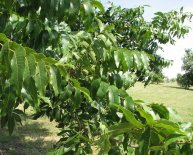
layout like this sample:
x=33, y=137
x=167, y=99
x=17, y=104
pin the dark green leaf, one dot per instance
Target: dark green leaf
x=130, y=116
x=160, y=110
x=173, y=138
x=94, y=87
x=11, y=124
x=30, y=88
x=77, y=98
x=168, y=125
x=102, y=89
x=149, y=119
x=145, y=141
x=120, y=129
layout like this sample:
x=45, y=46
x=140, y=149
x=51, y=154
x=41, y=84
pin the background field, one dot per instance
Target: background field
x=170, y=94
x=36, y=137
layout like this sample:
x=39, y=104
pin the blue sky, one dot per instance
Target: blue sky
x=175, y=52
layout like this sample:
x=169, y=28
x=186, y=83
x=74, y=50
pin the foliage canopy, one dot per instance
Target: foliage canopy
x=74, y=61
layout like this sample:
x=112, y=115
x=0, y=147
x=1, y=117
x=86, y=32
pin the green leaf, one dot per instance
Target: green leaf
x=75, y=82
x=128, y=102
x=137, y=60
x=98, y=5
x=100, y=24
x=92, y=55
x=3, y=38
x=17, y=116
x=55, y=79
x=17, y=66
x=149, y=119
x=111, y=37
x=60, y=150
x=11, y=124
x=4, y=120
x=104, y=144
x=118, y=56
x=118, y=81
x=173, y=138
x=50, y=61
x=41, y=77
x=129, y=59
x=109, y=27
x=98, y=48
x=103, y=89
x=5, y=61
x=30, y=88
x=94, y=87
x=46, y=100
x=77, y=98
x=114, y=94
x=145, y=60
x=145, y=142
x=64, y=95
x=85, y=91
x=156, y=148
x=168, y=125
x=62, y=70
x=120, y=128
x=88, y=14
x=130, y=116
x=30, y=68
x=161, y=110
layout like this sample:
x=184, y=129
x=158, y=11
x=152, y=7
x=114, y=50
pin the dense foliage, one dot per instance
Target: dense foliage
x=186, y=80
x=71, y=60
x=134, y=33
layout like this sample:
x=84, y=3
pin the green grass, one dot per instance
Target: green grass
x=170, y=94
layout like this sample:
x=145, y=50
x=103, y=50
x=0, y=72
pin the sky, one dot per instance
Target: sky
x=171, y=52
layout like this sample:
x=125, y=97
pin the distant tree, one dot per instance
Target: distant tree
x=158, y=78
x=173, y=80
x=186, y=80
x=166, y=79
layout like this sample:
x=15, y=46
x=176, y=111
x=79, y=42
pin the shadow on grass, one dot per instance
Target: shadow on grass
x=190, y=89
x=29, y=139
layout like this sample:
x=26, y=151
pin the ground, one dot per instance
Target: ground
x=36, y=137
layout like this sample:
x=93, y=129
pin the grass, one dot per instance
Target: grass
x=170, y=94
x=34, y=137
x=37, y=137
